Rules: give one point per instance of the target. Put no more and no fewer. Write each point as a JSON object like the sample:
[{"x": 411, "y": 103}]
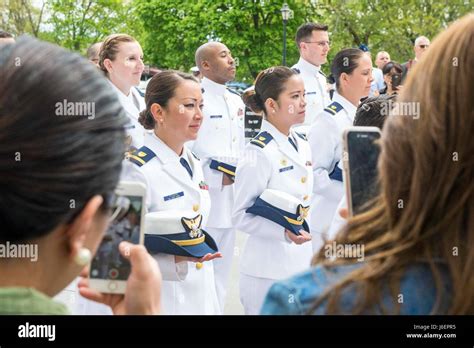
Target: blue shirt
[{"x": 296, "y": 295}]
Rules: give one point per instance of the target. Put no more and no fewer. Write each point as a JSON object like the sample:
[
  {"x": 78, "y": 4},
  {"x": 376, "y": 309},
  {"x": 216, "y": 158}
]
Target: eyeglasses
[
  {"x": 424, "y": 46},
  {"x": 320, "y": 43}
]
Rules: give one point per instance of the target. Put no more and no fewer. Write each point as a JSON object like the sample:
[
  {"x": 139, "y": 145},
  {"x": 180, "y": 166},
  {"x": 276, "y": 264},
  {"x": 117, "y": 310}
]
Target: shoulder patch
[
  {"x": 141, "y": 156},
  {"x": 302, "y": 136},
  {"x": 261, "y": 139},
  {"x": 333, "y": 108}
]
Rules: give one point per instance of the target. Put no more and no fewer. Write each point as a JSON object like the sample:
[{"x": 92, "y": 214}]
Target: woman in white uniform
[
  {"x": 352, "y": 71},
  {"x": 277, "y": 158},
  {"x": 121, "y": 59},
  {"x": 174, "y": 179}
]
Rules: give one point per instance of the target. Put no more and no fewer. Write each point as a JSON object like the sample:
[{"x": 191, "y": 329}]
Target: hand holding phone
[
  {"x": 143, "y": 286},
  {"x": 109, "y": 270},
  {"x": 360, "y": 159}
]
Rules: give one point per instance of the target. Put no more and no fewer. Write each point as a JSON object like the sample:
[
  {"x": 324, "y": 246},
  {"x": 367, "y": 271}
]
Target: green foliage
[
  {"x": 170, "y": 31},
  {"x": 79, "y": 23}
]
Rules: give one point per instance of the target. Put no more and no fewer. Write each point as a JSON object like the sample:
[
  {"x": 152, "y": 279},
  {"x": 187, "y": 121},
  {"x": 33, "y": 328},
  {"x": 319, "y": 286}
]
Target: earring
[
  {"x": 273, "y": 110},
  {"x": 83, "y": 257}
]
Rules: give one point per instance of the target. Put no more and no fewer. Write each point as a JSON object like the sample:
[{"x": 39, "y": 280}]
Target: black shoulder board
[
  {"x": 322, "y": 73},
  {"x": 141, "y": 156},
  {"x": 233, "y": 91},
  {"x": 333, "y": 108},
  {"x": 202, "y": 90},
  {"x": 296, "y": 70},
  {"x": 262, "y": 139},
  {"x": 301, "y": 135}
]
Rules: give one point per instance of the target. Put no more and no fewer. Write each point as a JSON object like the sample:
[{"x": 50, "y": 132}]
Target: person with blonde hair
[
  {"x": 418, "y": 234},
  {"x": 121, "y": 60}
]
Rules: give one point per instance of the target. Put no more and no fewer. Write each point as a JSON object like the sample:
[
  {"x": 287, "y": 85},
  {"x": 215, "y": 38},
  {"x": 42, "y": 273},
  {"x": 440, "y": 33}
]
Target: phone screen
[
  {"x": 108, "y": 263},
  {"x": 363, "y": 157}
]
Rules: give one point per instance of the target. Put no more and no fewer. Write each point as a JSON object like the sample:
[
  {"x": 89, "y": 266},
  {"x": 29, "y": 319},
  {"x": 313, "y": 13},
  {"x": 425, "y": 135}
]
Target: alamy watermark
[
  {"x": 334, "y": 250},
  {"x": 20, "y": 251},
  {"x": 401, "y": 109},
  {"x": 67, "y": 108}
]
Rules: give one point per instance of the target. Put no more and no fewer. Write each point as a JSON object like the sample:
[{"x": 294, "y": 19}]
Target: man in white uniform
[
  {"x": 219, "y": 144},
  {"x": 313, "y": 43}
]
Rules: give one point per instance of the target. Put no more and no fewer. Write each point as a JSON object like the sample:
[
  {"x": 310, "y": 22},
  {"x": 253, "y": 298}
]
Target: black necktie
[
  {"x": 292, "y": 142},
  {"x": 185, "y": 164}
]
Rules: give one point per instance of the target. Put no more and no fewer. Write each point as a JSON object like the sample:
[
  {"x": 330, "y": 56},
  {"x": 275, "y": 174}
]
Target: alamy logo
[
  {"x": 21, "y": 251},
  {"x": 66, "y": 108},
  {"x": 37, "y": 331}
]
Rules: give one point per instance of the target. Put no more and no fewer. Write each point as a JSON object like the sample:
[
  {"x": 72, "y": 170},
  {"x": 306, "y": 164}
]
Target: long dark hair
[{"x": 54, "y": 156}]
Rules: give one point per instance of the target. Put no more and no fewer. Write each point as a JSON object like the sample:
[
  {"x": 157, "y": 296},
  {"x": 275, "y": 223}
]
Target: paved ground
[{"x": 232, "y": 305}]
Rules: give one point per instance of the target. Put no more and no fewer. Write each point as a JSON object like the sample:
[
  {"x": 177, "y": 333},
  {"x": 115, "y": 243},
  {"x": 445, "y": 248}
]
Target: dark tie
[
  {"x": 185, "y": 164},
  {"x": 292, "y": 142}
]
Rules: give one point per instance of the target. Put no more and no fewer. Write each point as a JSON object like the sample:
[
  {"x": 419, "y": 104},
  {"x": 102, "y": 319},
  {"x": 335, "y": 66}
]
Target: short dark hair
[
  {"x": 373, "y": 111},
  {"x": 5, "y": 34},
  {"x": 306, "y": 30},
  {"x": 53, "y": 162},
  {"x": 387, "y": 68},
  {"x": 268, "y": 84},
  {"x": 160, "y": 90},
  {"x": 345, "y": 61}
]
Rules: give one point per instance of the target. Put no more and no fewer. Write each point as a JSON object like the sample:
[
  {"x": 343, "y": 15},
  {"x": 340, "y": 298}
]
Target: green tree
[{"x": 79, "y": 23}]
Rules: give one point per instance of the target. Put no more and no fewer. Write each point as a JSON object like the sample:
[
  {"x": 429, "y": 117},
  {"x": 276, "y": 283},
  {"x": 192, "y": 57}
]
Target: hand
[
  {"x": 302, "y": 238},
  {"x": 226, "y": 180},
  {"x": 143, "y": 291},
  {"x": 207, "y": 257}
]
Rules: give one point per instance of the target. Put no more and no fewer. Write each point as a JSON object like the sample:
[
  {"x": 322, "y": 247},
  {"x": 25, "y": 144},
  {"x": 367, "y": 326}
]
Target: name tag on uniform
[
  {"x": 215, "y": 116},
  {"x": 309, "y": 93},
  {"x": 173, "y": 196},
  {"x": 285, "y": 169}
]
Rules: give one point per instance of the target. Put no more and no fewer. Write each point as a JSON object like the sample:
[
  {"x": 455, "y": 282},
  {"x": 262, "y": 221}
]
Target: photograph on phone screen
[
  {"x": 363, "y": 157},
  {"x": 108, "y": 263}
]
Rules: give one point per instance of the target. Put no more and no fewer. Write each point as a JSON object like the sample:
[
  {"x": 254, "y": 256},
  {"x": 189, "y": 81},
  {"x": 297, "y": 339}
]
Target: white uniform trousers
[
  {"x": 252, "y": 292},
  {"x": 225, "y": 240}
]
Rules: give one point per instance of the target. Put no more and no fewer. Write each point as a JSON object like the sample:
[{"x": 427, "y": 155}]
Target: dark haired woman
[
  {"x": 174, "y": 180},
  {"x": 58, "y": 173},
  {"x": 121, "y": 59},
  {"x": 280, "y": 159},
  {"x": 389, "y": 71},
  {"x": 352, "y": 72}
]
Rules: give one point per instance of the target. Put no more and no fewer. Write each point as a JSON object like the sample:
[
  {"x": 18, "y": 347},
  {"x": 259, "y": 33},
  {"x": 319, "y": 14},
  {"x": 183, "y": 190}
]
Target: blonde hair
[
  {"x": 110, "y": 48},
  {"x": 426, "y": 164}
]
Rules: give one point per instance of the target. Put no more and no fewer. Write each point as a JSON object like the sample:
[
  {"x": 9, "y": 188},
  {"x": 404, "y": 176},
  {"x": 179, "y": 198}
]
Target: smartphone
[
  {"x": 360, "y": 157},
  {"x": 109, "y": 270},
  {"x": 396, "y": 81}
]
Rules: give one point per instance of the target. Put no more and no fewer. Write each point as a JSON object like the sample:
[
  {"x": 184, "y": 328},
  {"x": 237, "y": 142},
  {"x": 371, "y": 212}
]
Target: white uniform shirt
[
  {"x": 170, "y": 187},
  {"x": 325, "y": 139},
  {"x": 134, "y": 129},
  {"x": 315, "y": 84},
  {"x": 268, "y": 253},
  {"x": 221, "y": 138}
]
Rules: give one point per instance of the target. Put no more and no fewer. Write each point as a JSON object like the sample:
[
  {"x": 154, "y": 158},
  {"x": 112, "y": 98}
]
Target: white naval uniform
[
  {"x": 325, "y": 139},
  {"x": 268, "y": 254},
  {"x": 221, "y": 138},
  {"x": 317, "y": 96},
  {"x": 133, "y": 104},
  {"x": 170, "y": 187}
]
